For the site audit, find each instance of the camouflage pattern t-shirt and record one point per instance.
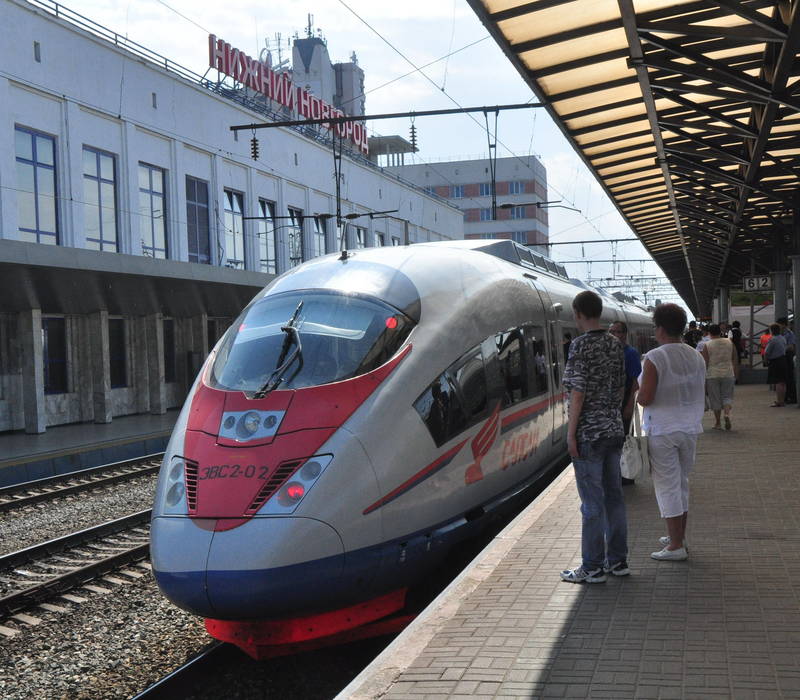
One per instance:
(596, 367)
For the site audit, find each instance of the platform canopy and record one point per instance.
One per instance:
(688, 113)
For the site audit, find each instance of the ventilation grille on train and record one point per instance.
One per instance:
(191, 486)
(278, 478)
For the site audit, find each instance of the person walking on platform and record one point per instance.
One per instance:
(736, 338)
(633, 368)
(775, 357)
(722, 369)
(594, 376)
(692, 336)
(786, 332)
(671, 389)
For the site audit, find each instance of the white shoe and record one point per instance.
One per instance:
(664, 541)
(671, 554)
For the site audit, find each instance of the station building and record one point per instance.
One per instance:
(520, 189)
(134, 225)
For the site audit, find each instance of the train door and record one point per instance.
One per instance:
(555, 336)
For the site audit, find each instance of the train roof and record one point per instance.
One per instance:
(512, 252)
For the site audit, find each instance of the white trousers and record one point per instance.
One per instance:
(671, 460)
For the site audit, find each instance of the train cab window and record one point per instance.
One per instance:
(471, 379)
(440, 408)
(341, 336)
(511, 362)
(537, 352)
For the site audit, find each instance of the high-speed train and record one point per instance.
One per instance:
(367, 411)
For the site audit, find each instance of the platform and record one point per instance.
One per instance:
(724, 624)
(67, 448)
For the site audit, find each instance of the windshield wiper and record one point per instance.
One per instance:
(285, 359)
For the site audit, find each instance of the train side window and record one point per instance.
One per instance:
(440, 408)
(511, 362)
(537, 353)
(471, 379)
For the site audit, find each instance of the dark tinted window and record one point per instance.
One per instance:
(342, 336)
(54, 354)
(116, 352)
(440, 408)
(471, 379)
(537, 371)
(511, 361)
(455, 400)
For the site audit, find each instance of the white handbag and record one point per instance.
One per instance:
(635, 460)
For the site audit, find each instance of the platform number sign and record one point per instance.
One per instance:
(761, 283)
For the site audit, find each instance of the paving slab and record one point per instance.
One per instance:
(725, 623)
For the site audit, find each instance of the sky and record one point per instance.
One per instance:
(387, 38)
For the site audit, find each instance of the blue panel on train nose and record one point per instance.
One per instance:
(273, 567)
(178, 553)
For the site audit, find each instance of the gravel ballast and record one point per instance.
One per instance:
(23, 527)
(111, 646)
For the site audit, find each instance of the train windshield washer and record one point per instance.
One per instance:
(595, 379)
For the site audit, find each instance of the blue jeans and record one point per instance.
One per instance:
(605, 525)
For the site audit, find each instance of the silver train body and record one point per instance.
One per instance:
(426, 394)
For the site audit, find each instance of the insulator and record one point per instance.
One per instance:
(254, 148)
(414, 137)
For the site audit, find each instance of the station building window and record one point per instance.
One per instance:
(296, 252)
(197, 220)
(117, 353)
(380, 240)
(517, 212)
(100, 199)
(36, 186)
(485, 189)
(267, 243)
(152, 211)
(457, 191)
(320, 235)
(360, 237)
(54, 355)
(395, 241)
(516, 187)
(520, 237)
(486, 214)
(234, 229)
(170, 372)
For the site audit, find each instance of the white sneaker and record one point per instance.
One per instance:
(664, 541)
(671, 554)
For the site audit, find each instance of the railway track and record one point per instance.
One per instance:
(31, 492)
(33, 575)
(186, 678)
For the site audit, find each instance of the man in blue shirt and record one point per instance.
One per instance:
(633, 368)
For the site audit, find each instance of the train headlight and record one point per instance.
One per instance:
(250, 422)
(289, 496)
(175, 494)
(175, 488)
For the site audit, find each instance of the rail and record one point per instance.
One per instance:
(50, 487)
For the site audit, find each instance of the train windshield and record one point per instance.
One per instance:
(341, 335)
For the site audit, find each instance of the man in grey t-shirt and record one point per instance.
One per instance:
(595, 378)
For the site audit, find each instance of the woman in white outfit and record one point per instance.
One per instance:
(672, 391)
(722, 367)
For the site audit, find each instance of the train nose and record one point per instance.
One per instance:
(273, 567)
(268, 567)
